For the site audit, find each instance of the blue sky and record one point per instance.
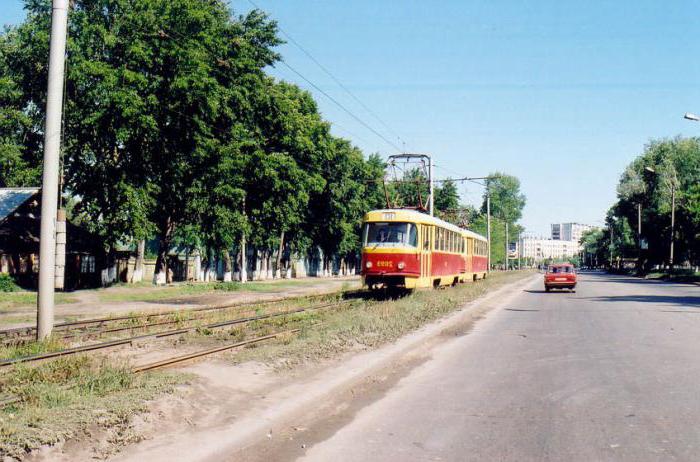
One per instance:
(561, 94)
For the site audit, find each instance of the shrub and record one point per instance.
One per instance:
(7, 284)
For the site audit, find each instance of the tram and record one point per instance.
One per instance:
(409, 249)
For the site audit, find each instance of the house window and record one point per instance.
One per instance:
(87, 264)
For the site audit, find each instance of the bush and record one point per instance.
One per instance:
(7, 284)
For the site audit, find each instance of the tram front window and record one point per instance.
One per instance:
(390, 234)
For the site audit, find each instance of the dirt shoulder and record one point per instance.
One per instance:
(261, 404)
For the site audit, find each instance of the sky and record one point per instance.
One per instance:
(561, 94)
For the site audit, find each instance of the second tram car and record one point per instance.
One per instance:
(410, 249)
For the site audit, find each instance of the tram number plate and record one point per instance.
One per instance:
(384, 264)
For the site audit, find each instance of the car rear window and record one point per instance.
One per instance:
(560, 269)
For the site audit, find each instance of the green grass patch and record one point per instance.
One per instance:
(362, 324)
(31, 348)
(27, 299)
(188, 289)
(69, 396)
(676, 276)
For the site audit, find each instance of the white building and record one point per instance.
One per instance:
(540, 248)
(569, 231)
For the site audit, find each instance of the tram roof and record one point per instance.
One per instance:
(408, 215)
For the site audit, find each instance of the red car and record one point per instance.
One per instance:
(560, 276)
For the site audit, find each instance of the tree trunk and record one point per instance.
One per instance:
(166, 231)
(227, 266)
(268, 257)
(137, 275)
(197, 266)
(187, 264)
(278, 270)
(244, 262)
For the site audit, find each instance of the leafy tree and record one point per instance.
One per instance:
(666, 167)
(446, 196)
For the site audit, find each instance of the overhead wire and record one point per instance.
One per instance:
(341, 106)
(335, 79)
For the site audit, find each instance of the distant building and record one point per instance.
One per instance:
(540, 248)
(569, 231)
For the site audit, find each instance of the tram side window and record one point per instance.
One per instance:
(412, 235)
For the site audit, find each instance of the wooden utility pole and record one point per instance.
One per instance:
(49, 186)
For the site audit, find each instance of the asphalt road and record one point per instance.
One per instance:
(611, 372)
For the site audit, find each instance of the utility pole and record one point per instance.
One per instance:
(506, 246)
(611, 247)
(517, 249)
(639, 236)
(488, 229)
(49, 188)
(432, 188)
(673, 222)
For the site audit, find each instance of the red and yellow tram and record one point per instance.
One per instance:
(410, 249)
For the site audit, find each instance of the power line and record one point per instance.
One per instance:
(337, 103)
(335, 79)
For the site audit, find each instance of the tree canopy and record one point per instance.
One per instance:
(666, 168)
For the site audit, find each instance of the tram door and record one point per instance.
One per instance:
(426, 244)
(470, 254)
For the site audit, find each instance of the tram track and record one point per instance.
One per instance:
(159, 335)
(8, 400)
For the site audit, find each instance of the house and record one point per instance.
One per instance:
(20, 213)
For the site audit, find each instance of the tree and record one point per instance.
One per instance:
(155, 94)
(446, 196)
(666, 168)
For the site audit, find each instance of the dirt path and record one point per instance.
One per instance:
(250, 412)
(89, 305)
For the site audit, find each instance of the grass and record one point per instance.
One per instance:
(676, 276)
(188, 289)
(24, 298)
(328, 333)
(146, 292)
(71, 396)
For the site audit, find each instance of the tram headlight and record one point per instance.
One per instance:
(401, 265)
(368, 265)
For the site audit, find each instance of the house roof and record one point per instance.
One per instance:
(12, 198)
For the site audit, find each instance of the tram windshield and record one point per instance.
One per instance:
(390, 235)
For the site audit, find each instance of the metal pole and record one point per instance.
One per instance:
(673, 222)
(611, 247)
(49, 189)
(639, 236)
(430, 180)
(518, 249)
(506, 245)
(488, 229)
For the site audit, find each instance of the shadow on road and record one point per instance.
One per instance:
(658, 299)
(554, 291)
